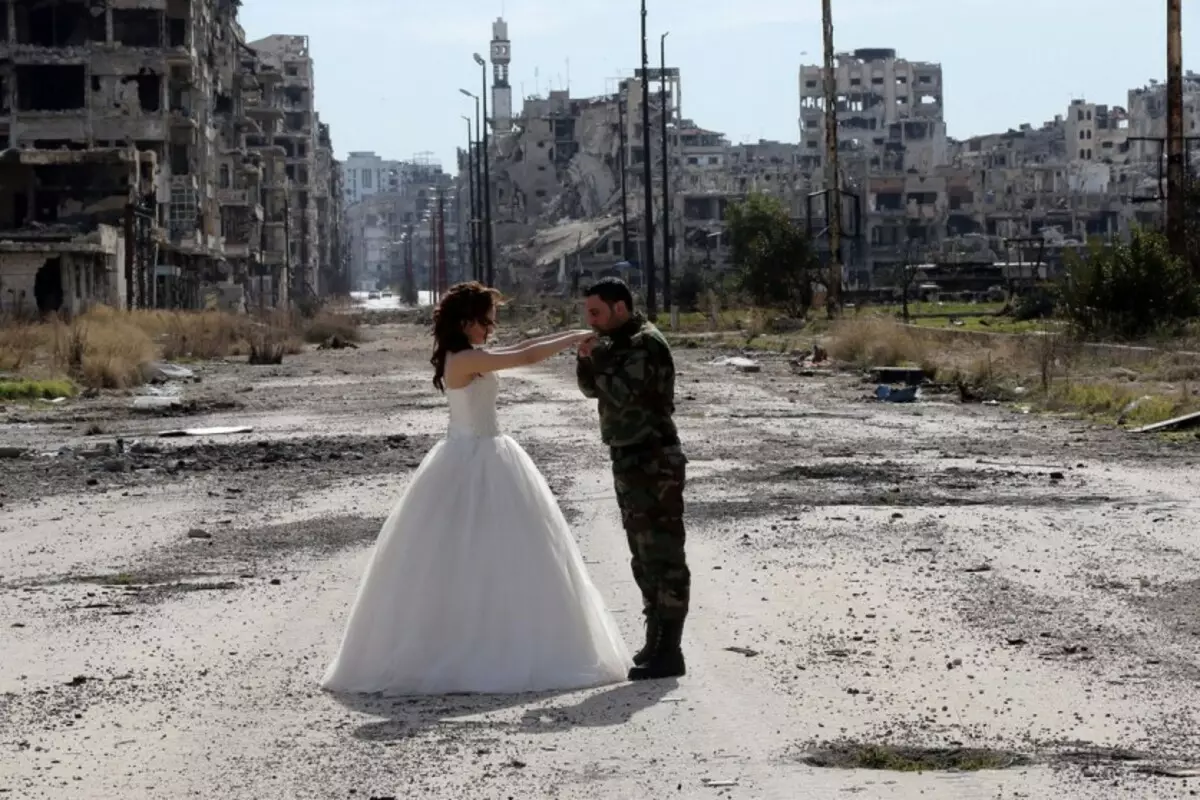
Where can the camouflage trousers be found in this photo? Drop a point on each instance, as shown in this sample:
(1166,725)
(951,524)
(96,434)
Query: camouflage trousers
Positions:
(649,485)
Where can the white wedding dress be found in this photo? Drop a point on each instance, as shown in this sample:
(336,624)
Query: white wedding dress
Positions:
(476,584)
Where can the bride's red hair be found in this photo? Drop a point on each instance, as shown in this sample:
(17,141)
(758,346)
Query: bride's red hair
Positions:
(463,304)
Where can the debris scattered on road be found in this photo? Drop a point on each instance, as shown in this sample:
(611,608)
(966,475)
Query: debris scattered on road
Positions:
(907,376)
(742,651)
(159,372)
(199,533)
(219,431)
(717,783)
(740,363)
(336,342)
(1175,424)
(888,394)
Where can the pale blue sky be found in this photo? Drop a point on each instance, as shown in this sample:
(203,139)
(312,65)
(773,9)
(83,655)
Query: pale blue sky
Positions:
(388,71)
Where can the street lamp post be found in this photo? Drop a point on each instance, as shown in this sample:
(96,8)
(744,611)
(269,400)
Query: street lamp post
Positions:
(471,201)
(478,211)
(666,174)
(647,177)
(487,178)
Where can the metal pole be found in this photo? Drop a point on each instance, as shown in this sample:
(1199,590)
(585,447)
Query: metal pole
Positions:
(487,180)
(666,174)
(1176,207)
(832,173)
(478,222)
(130,300)
(471,203)
(647,177)
(443,283)
(624,166)
(287,247)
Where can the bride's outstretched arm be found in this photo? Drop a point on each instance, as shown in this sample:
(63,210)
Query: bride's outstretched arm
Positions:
(549,337)
(474,362)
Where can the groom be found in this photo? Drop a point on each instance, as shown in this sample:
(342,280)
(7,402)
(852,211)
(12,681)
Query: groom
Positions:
(631,374)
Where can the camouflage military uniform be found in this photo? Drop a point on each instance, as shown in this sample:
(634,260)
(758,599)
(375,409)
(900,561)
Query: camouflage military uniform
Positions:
(632,376)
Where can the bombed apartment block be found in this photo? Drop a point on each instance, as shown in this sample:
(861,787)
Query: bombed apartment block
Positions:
(170,78)
(77,229)
(890,111)
(297,153)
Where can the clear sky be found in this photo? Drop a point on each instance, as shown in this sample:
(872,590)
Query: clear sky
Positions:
(388,71)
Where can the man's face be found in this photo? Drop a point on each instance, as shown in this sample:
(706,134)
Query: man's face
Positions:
(604,318)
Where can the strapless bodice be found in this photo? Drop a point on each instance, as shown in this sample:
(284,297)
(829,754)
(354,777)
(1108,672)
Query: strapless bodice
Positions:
(473,408)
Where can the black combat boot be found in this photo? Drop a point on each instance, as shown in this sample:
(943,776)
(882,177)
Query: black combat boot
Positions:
(643,655)
(666,658)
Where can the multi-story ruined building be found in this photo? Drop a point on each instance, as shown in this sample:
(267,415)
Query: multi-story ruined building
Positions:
(890,111)
(172,84)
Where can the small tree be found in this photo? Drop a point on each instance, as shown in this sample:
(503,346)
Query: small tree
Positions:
(689,288)
(1129,290)
(773,255)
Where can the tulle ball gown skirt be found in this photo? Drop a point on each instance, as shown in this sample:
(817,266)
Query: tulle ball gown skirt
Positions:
(476,585)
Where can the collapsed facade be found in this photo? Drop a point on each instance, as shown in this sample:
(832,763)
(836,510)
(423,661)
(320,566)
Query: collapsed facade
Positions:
(169,86)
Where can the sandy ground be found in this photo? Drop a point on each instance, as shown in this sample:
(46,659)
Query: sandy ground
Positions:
(933,575)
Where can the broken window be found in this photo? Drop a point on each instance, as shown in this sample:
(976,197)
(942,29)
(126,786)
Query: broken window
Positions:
(58,23)
(149,89)
(4,108)
(180,161)
(51,87)
(135,27)
(178,13)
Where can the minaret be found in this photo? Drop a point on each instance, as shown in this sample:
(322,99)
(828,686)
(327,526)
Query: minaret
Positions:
(501,92)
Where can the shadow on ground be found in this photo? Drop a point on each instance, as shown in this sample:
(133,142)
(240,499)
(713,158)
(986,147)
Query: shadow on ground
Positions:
(549,712)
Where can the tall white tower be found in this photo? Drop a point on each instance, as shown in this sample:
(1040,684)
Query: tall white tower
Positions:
(501,92)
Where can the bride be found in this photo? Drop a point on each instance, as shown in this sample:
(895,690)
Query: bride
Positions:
(476,584)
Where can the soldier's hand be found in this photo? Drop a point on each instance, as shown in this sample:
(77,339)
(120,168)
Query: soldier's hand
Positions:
(585,347)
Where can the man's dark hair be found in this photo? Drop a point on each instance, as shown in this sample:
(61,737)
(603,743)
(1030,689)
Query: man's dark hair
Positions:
(611,291)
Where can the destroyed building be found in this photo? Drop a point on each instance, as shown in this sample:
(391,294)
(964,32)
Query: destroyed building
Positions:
(67,238)
(168,78)
(912,192)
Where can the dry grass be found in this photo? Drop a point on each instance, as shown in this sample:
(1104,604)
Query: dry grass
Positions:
(875,342)
(106,348)
(327,325)
(1048,370)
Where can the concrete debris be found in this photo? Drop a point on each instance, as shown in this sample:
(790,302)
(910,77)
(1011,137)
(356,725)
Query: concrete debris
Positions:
(217,431)
(1177,423)
(889,394)
(740,363)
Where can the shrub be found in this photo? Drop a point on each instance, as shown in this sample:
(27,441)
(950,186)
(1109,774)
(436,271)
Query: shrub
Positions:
(1130,290)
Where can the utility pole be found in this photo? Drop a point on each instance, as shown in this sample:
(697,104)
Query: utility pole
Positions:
(487,180)
(666,174)
(1176,168)
(647,177)
(621,94)
(431,267)
(443,282)
(833,188)
(471,203)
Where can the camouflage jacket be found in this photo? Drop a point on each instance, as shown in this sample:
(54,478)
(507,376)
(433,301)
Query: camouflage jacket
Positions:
(632,376)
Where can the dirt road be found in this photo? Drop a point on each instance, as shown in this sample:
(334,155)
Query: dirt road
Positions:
(932,575)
